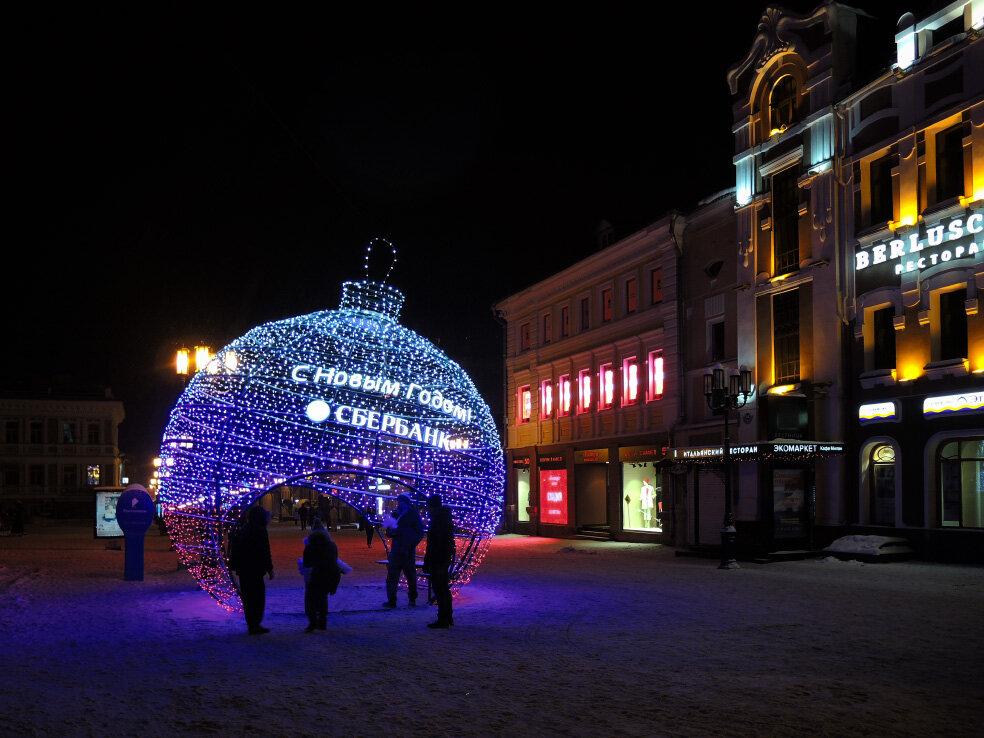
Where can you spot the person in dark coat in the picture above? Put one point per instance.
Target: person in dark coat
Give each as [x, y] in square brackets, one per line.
[438, 558]
[321, 575]
[304, 515]
[402, 559]
[249, 557]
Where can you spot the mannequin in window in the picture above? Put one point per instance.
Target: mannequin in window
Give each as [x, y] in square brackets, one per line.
[646, 496]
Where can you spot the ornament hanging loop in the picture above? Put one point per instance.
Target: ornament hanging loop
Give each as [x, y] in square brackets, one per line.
[382, 243]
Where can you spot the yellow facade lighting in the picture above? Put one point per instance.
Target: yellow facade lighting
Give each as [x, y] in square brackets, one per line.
[781, 389]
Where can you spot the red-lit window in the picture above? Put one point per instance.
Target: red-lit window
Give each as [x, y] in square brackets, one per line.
[565, 320]
[584, 391]
[630, 381]
[631, 296]
[525, 404]
[524, 337]
[656, 284]
[564, 389]
[547, 328]
[655, 375]
[546, 400]
[606, 386]
[606, 304]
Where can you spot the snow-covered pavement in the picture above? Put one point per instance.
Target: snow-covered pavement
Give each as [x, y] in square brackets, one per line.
[552, 637]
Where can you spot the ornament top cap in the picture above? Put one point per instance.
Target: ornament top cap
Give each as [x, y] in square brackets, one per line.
[371, 295]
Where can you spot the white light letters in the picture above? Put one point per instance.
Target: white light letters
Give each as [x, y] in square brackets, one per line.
[939, 237]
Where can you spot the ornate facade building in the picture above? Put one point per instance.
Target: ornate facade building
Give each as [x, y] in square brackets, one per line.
[912, 175]
[843, 271]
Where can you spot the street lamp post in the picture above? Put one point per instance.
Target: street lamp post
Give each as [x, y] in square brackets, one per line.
[722, 399]
[183, 360]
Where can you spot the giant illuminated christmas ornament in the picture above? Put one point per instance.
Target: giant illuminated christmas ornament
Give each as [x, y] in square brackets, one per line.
[346, 402]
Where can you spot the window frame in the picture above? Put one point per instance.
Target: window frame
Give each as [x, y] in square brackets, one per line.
[564, 395]
[524, 405]
[607, 304]
[546, 400]
[631, 295]
[584, 398]
[949, 163]
[630, 384]
[656, 371]
[606, 385]
[785, 339]
[656, 285]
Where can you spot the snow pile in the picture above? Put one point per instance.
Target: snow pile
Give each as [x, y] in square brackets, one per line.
[879, 548]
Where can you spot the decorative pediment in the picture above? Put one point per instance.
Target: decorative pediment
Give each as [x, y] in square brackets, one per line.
[778, 31]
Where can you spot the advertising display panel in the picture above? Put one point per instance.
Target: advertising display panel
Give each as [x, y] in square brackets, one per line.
[106, 525]
[553, 496]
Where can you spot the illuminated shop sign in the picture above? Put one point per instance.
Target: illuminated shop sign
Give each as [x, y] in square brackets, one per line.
[947, 404]
[591, 456]
[883, 264]
[759, 451]
[877, 412]
[636, 454]
[712, 452]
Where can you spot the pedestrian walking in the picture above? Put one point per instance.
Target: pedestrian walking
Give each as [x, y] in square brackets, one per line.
[439, 557]
[402, 559]
[320, 567]
[304, 515]
[249, 557]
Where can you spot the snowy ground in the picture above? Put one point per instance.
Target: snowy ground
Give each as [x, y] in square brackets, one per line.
[552, 638]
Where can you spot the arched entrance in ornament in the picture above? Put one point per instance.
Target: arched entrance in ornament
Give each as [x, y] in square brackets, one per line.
[365, 491]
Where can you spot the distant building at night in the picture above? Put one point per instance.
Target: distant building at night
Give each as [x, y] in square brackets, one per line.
[56, 446]
[843, 270]
[591, 370]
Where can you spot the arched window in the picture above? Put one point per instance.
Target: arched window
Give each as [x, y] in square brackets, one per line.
[782, 104]
[882, 485]
[961, 470]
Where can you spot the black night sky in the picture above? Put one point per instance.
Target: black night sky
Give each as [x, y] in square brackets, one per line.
[183, 174]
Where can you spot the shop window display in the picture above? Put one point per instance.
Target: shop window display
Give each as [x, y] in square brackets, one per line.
[523, 501]
[642, 498]
[961, 470]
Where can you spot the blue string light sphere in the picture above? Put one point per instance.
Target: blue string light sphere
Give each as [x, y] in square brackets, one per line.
[346, 402]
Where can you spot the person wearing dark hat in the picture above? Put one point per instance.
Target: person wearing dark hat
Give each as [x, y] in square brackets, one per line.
[402, 559]
[438, 558]
[321, 575]
[249, 557]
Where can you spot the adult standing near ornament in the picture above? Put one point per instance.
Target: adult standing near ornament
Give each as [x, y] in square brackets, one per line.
[438, 558]
[249, 557]
[402, 559]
